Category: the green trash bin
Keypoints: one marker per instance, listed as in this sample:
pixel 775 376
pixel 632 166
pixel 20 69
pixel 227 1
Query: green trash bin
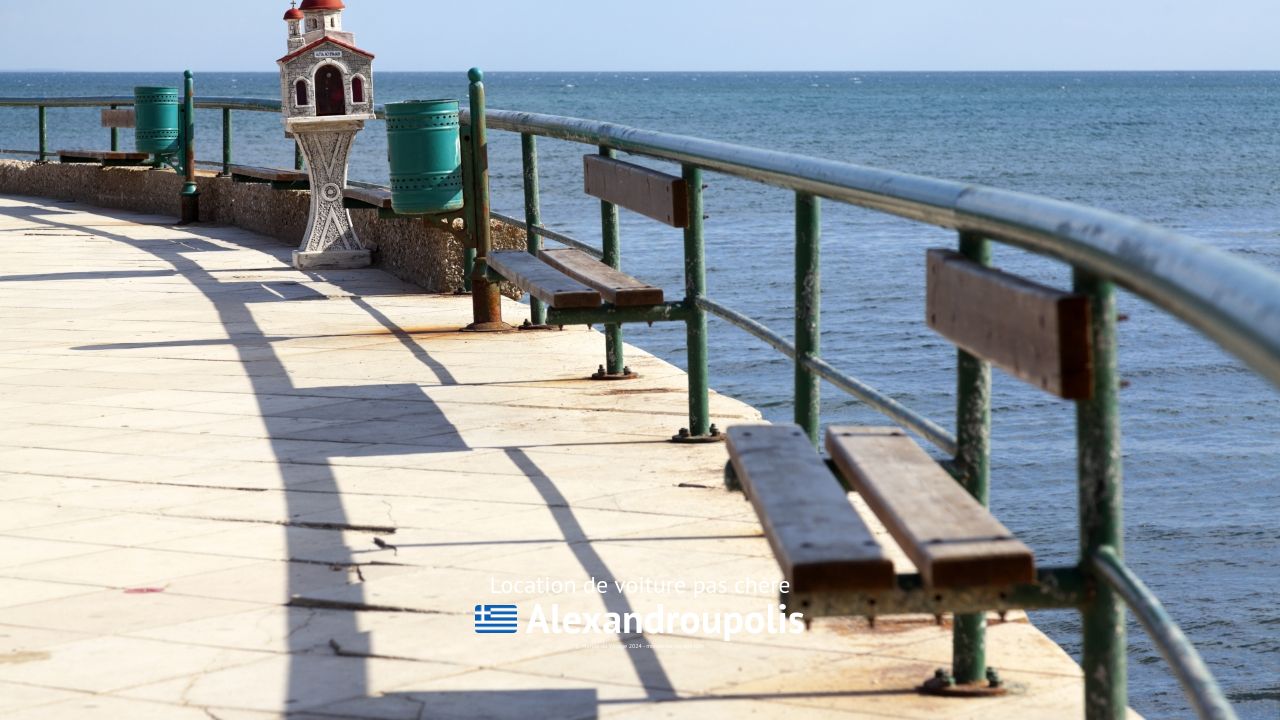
pixel 158 120
pixel 425 152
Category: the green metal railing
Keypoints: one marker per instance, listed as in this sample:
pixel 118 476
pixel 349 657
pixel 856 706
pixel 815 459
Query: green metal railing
pixel 225 104
pixel 1234 303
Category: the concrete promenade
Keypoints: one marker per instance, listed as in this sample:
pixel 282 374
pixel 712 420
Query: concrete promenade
pixel 232 490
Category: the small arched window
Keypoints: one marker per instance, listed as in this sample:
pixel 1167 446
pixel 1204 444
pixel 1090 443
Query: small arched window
pixel 333 22
pixel 301 89
pixel 357 90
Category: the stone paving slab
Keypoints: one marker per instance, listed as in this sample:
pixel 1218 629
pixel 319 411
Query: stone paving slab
pixel 232 490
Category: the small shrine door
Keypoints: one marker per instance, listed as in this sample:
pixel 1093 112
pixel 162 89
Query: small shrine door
pixel 331 94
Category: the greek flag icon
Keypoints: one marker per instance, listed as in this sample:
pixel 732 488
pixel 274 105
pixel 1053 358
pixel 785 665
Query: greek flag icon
pixel 496 619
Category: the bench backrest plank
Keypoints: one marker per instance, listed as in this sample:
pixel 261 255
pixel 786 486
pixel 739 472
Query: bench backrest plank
pixel 819 540
pixel 651 193
pixel 614 286
pixel 118 118
pixel 542 281
pixel 952 539
pixel 1037 334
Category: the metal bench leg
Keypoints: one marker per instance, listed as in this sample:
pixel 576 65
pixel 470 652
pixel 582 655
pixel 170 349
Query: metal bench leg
pixel 1101 512
pixel 532 219
pixel 615 367
pixel 695 273
pixel 486 300
pixel 973 433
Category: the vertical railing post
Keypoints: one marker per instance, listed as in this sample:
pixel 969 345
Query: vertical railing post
pixel 808 311
pixel 486 301
pixel 972 463
pixel 190 192
pixel 44 134
pixel 115 133
pixel 615 364
pixel 226 142
pixel 469 207
pixel 695 285
pixel 1101 508
pixel 532 214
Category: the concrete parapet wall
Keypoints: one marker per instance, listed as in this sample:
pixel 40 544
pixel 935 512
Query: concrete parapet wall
pixel 412 250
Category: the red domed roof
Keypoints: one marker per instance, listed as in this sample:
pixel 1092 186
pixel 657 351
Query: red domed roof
pixel 322 5
pixel 293 13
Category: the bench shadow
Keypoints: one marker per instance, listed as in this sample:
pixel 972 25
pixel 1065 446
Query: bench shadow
pixel 270 380
pixel 233 300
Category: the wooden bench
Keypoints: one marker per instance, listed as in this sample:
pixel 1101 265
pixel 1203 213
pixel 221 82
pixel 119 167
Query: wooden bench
pixel 821 543
pixel 278 179
pixel 113 119
pixel 1038 334
pixel 104 157
pixel 572 279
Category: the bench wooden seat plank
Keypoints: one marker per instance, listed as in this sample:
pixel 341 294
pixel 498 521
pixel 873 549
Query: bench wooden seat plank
pixel 106 157
pixel 952 539
pixel 819 540
pixel 275 176
pixel 663 197
pixel 1036 333
pixel 371 197
pixel 614 286
pixel 542 281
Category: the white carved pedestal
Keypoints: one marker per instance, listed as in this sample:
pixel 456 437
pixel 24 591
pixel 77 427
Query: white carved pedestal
pixel 331 241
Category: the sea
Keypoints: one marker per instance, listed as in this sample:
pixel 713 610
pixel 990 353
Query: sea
pixel 1198 152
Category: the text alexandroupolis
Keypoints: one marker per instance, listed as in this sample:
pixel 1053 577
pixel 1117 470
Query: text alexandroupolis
pixel 771 620
pixel 551 619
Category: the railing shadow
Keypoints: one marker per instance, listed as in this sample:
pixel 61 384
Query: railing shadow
pixel 644 660
pixel 232 301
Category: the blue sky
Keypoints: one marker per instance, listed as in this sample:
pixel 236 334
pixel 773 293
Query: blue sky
pixel 865 35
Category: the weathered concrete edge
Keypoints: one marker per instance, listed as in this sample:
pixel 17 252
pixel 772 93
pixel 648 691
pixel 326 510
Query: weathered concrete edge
pixel 411 250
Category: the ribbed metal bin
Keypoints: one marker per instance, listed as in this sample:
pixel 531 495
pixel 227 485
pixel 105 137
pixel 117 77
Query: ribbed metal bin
pixel 425 153
pixel 158 119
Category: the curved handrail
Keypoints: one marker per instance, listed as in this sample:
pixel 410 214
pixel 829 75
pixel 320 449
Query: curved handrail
pixel 1230 300
pixel 1201 690
pixel 229 103
pixel 203 103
